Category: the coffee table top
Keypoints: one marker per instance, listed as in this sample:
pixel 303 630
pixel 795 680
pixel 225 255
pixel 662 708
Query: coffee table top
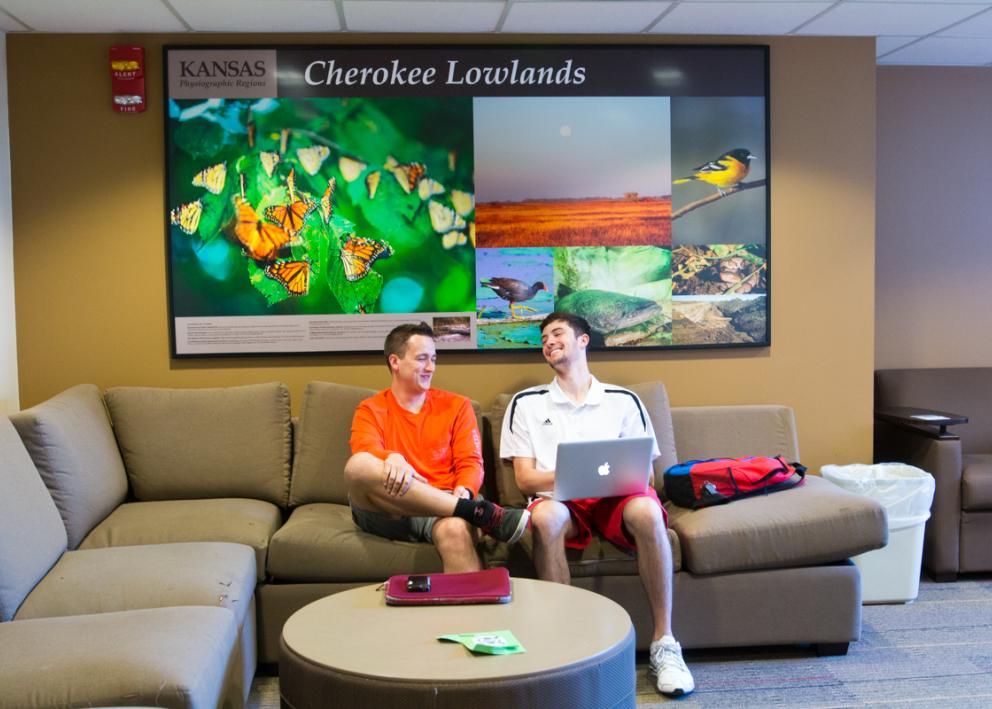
pixel 356 632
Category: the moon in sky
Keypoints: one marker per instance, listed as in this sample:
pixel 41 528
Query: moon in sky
pixel 566 131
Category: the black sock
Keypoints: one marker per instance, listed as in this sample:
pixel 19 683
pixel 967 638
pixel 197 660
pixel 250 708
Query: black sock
pixel 476 512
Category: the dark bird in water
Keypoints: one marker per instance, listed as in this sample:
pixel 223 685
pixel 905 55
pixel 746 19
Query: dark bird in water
pixel 514 291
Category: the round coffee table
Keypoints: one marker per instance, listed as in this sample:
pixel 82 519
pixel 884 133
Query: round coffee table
pixel 352 650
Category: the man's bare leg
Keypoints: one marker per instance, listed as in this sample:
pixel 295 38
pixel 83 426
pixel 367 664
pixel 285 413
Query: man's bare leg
pixel 455 542
pixel 644 521
pixel 366 476
pixel 551 523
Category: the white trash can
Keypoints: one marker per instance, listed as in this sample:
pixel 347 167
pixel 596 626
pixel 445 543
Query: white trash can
pixel 890 574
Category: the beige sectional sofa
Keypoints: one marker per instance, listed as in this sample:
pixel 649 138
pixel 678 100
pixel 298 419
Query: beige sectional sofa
pixel 196 519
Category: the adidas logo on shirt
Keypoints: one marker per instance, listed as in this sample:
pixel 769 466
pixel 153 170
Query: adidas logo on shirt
pixel 547 422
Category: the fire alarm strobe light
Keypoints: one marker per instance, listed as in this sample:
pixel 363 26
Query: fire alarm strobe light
pixel 127 78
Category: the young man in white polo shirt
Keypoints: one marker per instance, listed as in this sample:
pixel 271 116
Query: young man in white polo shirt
pixel 577 406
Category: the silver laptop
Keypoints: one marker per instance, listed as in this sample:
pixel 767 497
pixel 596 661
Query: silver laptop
pixel 615 467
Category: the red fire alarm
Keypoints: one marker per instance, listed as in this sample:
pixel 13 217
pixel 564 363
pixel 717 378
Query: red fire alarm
pixel 127 78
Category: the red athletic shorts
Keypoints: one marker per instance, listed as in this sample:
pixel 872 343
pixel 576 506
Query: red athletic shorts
pixel 605 515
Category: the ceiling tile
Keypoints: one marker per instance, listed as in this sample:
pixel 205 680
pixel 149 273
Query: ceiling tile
pixel 104 16
pixel 948 51
pixel 258 15
pixel 9 24
pixel 884 45
pixel 582 17
pixel 397 16
pixel 980 26
pixel 737 18
pixel 867 19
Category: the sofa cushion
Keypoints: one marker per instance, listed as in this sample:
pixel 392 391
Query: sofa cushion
pixel 174 657
pixel 320 542
pixel 976 482
pixel 735 431
pixel 323 445
pixel 249 522
pixel 655 400
pixel 72 444
pixel 131 578
pixel 204 443
pixel 32 536
pixel 814 523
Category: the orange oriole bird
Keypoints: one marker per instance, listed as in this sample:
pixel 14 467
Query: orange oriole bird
pixel 724 173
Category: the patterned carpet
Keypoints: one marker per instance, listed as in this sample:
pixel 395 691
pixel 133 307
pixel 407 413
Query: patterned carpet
pixel 936 651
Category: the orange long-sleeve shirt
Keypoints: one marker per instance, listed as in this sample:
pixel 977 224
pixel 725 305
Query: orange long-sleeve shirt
pixel 441 441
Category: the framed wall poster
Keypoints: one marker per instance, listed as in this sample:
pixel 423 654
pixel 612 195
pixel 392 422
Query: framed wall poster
pixel 317 196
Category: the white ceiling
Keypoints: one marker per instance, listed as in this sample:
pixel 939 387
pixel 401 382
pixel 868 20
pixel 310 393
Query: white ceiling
pixel 947 32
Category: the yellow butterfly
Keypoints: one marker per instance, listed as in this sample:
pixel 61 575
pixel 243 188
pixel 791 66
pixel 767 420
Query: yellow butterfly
pixel 350 169
pixel 407 175
pixel 269 161
pixel 358 254
pixel 453 239
pixel 187 216
pixel 452 159
pixel 372 183
pixel 283 140
pixel 326 205
pixel 212 178
pixel 428 188
pixel 471 233
pixel 313 157
pixel 463 202
pixel 444 219
pixel 294 275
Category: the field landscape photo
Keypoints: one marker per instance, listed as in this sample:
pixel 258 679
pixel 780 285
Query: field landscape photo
pixel 586 171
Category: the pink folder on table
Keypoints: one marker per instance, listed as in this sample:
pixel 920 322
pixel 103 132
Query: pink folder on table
pixel 488 586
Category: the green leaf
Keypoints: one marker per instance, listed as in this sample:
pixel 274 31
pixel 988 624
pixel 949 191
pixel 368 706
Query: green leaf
pixel 199 137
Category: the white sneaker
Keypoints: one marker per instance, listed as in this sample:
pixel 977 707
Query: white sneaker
pixel 673 677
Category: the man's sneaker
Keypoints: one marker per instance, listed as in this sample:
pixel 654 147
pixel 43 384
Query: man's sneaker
pixel 674 678
pixel 506 524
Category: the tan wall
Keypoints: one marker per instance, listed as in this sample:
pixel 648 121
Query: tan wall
pixel 934 248
pixel 88 192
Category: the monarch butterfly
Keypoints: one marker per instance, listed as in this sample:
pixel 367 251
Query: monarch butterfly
pixel 326 205
pixel 211 178
pixel 407 175
pixel 259 239
pixel 372 183
pixel 269 161
pixel 187 216
pixel 358 254
pixel 463 202
pixel 313 157
pixel 428 188
pixel 453 239
pixel 290 217
pixel 444 219
pixel 350 169
pixel 295 275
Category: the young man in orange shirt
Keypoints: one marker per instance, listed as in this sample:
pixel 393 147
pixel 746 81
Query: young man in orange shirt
pixel 416 464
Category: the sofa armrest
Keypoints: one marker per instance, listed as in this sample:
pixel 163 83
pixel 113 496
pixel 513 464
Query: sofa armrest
pixel 941 457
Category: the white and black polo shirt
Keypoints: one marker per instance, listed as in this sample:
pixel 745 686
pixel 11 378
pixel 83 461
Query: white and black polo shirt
pixel 539 418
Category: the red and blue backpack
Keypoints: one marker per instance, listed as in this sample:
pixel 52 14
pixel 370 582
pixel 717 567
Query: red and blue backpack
pixel 701 483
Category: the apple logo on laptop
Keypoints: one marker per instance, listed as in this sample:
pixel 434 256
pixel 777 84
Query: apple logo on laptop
pixel 604 469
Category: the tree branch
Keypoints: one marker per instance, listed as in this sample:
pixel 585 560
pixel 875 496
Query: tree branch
pixel 714 197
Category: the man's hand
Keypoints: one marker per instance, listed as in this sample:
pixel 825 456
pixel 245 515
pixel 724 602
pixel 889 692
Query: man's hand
pixel 463 492
pixel 399 475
